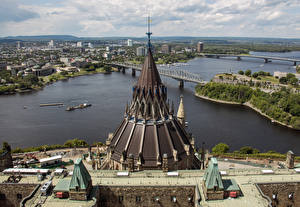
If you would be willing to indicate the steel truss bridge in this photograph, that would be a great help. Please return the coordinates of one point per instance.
(181, 75)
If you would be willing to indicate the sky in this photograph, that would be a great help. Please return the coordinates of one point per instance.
(104, 18)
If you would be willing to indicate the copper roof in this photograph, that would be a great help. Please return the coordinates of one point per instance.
(149, 77)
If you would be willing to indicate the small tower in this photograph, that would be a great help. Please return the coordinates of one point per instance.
(180, 113)
(290, 157)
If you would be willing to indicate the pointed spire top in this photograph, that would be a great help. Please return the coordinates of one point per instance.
(149, 33)
(149, 77)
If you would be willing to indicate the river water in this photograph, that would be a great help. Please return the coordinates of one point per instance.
(209, 122)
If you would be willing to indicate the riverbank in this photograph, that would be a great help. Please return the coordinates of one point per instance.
(248, 104)
(46, 80)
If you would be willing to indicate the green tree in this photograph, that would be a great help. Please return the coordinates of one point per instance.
(241, 72)
(248, 150)
(293, 81)
(255, 75)
(248, 72)
(6, 147)
(220, 148)
(283, 80)
(64, 73)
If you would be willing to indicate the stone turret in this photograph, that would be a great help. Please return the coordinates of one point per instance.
(180, 113)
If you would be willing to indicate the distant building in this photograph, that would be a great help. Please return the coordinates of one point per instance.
(200, 47)
(108, 49)
(166, 49)
(79, 44)
(43, 71)
(107, 55)
(51, 43)
(18, 45)
(14, 69)
(140, 51)
(278, 74)
(90, 45)
(129, 43)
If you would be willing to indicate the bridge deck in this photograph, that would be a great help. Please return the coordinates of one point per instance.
(255, 56)
(176, 74)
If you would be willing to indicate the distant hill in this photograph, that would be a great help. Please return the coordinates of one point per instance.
(183, 39)
(43, 38)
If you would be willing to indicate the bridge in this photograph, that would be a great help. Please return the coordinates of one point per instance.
(180, 75)
(266, 58)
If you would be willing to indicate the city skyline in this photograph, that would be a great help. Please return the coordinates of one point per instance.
(97, 18)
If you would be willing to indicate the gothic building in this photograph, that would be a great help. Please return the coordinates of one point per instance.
(150, 135)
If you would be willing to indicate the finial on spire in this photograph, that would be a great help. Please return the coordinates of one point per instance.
(149, 33)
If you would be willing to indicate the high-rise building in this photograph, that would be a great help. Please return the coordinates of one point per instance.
(18, 45)
(200, 47)
(129, 43)
(51, 43)
(140, 51)
(165, 49)
(90, 45)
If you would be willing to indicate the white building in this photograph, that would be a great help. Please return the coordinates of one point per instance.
(140, 51)
(90, 45)
(129, 43)
(108, 48)
(51, 160)
(51, 43)
(79, 44)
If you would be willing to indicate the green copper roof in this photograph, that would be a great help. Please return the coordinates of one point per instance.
(81, 176)
(230, 185)
(62, 185)
(212, 176)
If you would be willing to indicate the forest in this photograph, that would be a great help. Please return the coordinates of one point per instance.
(282, 106)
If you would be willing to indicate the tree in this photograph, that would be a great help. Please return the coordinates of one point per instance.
(248, 72)
(6, 147)
(246, 150)
(283, 80)
(255, 75)
(290, 76)
(107, 68)
(293, 81)
(241, 72)
(220, 148)
(64, 73)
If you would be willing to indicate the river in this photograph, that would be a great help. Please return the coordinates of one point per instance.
(209, 122)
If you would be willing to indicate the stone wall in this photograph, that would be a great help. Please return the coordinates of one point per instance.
(282, 190)
(11, 194)
(146, 196)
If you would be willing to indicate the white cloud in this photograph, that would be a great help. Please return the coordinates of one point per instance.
(170, 17)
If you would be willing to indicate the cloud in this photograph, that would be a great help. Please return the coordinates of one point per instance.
(170, 17)
(11, 11)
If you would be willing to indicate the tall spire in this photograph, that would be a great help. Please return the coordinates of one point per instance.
(149, 78)
(149, 33)
(180, 113)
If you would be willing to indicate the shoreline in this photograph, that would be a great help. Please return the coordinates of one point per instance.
(248, 104)
(66, 78)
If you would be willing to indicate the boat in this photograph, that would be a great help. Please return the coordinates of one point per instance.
(80, 106)
(51, 104)
(70, 108)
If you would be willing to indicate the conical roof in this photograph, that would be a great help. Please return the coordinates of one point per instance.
(149, 78)
(180, 112)
(150, 129)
